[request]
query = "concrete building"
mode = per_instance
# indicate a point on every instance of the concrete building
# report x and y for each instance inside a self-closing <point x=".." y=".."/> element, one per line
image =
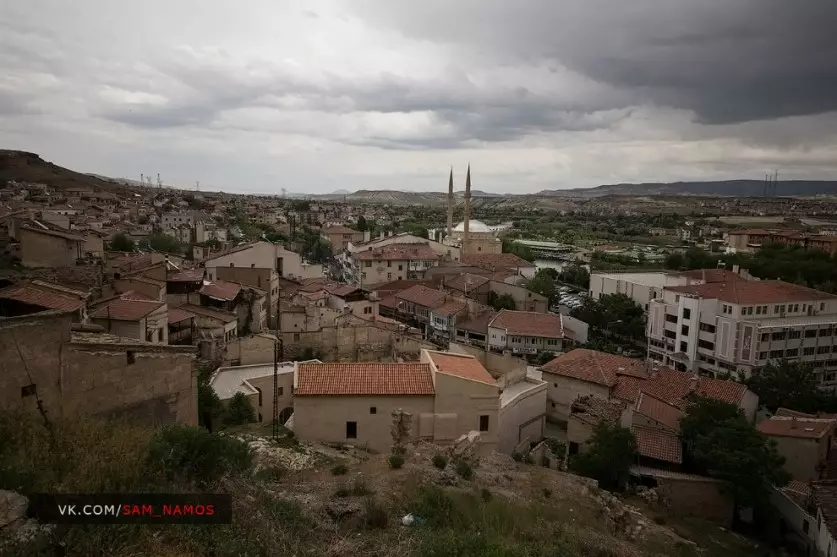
<point x="824" y="496"/>
<point x="738" y="326"/>
<point x="751" y="240"/>
<point x="448" y="395"/>
<point x="525" y="332"/>
<point x="263" y="255"/>
<point x="393" y="262"/>
<point x="71" y="372"/>
<point x="340" y="237"/>
<point x="133" y="316"/>
<point x="804" y="442"/>
<point x="264" y="279"/>
<point x="45" y="247"/>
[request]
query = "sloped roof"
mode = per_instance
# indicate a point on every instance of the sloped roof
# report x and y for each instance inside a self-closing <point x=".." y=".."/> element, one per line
<point x="658" y="444"/>
<point x="462" y="366"/>
<point x="466" y="282"/>
<point x="364" y="379"/>
<point x="659" y="410"/>
<point x="451" y="307"/>
<point x="801" y="428"/>
<point x="496" y="261"/>
<point x="224" y="316"/>
<point x="221" y="290"/>
<point x="594" y="366"/>
<point x="126" y="309"/>
<point x="753" y="292"/>
<point x="398" y="252"/>
<point x="176" y="315"/>
<point x="422" y="296"/>
<point x="529" y="323"/>
<point x="39" y="293"/>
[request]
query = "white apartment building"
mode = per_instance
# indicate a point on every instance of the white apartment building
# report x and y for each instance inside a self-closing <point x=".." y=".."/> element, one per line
<point x="738" y="326"/>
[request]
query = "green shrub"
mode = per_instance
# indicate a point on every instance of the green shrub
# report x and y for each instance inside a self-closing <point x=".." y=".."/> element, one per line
<point x="359" y="487"/>
<point x="529" y="459"/>
<point x="197" y="456"/>
<point x="396" y="461"/>
<point x="239" y="411"/>
<point x="485" y="495"/>
<point x="271" y="474"/>
<point x="517" y="457"/>
<point x="440" y="461"/>
<point x="375" y="515"/>
<point x="340" y="470"/>
<point x="464" y="470"/>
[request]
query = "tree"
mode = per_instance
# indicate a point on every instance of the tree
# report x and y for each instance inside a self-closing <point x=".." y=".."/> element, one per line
<point x="164" y="243"/>
<point x="575" y="274"/>
<point x="121" y="242"/>
<point x="675" y="261"/>
<point x="275" y="237"/>
<point x="786" y="384"/>
<point x="502" y="301"/>
<point x="239" y="411"/>
<point x="542" y="283"/>
<point x="519" y="250"/>
<point x="361" y="223"/>
<point x="721" y="442"/>
<point x="609" y="456"/>
<point x="615" y="313"/>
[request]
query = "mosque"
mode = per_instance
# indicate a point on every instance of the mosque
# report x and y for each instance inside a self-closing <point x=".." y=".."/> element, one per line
<point x="470" y="236"/>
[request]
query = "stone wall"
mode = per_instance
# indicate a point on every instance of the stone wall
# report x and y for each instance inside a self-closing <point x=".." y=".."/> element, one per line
<point x="353" y="344"/>
<point x="692" y="497"/>
<point x="505" y="368"/>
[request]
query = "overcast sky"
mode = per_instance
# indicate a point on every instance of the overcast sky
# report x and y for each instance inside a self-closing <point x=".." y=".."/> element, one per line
<point x="316" y="96"/>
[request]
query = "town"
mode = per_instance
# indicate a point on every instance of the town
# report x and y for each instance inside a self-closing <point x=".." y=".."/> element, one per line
<point x="687" y="359"/>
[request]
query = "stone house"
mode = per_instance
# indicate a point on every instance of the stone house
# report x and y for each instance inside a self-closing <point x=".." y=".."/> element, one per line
<point x="447" y="394"/>
<point x="211" y="323"/>
<point x="44" y="247"/>
<point x="263" y="255"/>
<point x="525" y="332"/>
<point x="131" y="315"/>
<point x="341" y="236"/>
<point x="804" y="442"/>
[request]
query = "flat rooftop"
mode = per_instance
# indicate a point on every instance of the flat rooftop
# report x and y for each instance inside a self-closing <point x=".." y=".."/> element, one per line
<point x="655" y="279"/>
<point x="515" y="390"/>
<point x="227" y="381"/>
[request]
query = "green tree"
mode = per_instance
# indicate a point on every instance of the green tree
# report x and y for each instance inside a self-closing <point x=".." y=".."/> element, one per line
<point x="786" y="384"/>
<point x="675" y="261"/>
<point x="542" y="283"/>
<point x="519" y="250"/>
<point x="576" y="274"/>
<point x="239" y="411"/>
<point x="361" y="223"/>
<point x="502" y="301"/>
<point x="615" y="313"/>
<point x="164" y="243"/>
<point x="275" y="237"/>
<point x="609" y="456"/>
<point x="721" y="442"/>
<point x="121" y="242"/>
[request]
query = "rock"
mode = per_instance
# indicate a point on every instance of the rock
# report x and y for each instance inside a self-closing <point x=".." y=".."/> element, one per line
<point x="339" y="510"/>
<point x="12" y="507"/>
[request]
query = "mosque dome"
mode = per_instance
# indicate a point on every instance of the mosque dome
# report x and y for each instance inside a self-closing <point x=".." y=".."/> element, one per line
<point x="473" y="226"/>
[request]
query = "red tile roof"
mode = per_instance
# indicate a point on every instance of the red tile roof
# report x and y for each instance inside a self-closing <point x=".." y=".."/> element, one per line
<point x="753" y="292"/>
<point x="364" y="379"/>
<point x="594" y="366"/>
<point x="462" y="366"/>
<point x="451" y="307"/>
<point x="423" y="296"/>
<point x="496" y="261"/>
<point x="314" y="296"/>
<point x="658" y="444"/>
<point x="224" y="316"/>
<point x="398" y="252"/>
<point x="466" y="282"/>
<point x="529" y="323"/>
<point x="126" y="309"/>
<point x="659" y="411"/>
<point x="711" y="275"/>
<point x="675" y="386"/>
<point x="42" y="295"/>
<point x="221" y="290"/>
<point x="187" y="275"/>
<point x="176" y="315"/>
<point x="803" y="428"/>
<point x="478" y="323"/>
<point x="788" y="413"/>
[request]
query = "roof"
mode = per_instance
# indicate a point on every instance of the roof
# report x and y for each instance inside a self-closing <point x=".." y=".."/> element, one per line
<point x="753" y="292"/>
<point x="423" y="296"/>
<point x="340" y="230"/>
<point x="474" y="225"/>
<point x="364" y="379"/>
<point x="396" y="285"/>
<point x="187" y="275"/>
<point x="674" y="387"/>
<point x="801" y="428"/>
<point x="788" y="413"/>
<point x="799" y="492"/>
<point x="478" y="323"/>
<point x="212" y="313"/>
<point x="176" y="315"/>
<point x="658" y="410"/>
<point x="594" y="366"/>
<point x="314" y="296"/>
<point x="658" y="444"/>
<point x="66" y="235"/>
<point x="221" y="290"/>
<point x="825" y="497"/>
<point x="529" y="323"/>
<point x="397" y="252"/>
<point x="449" y="308"/>
<point x="592" y="409"/>
<point x="462" y="366"/>
<point x="227" y="381"/>
<point x="466" y="281"/>
<point x="711" y="275"/>
<point x="496" y="261"/>
<point x="45" y="295"/>
<point x="126" y="309"/>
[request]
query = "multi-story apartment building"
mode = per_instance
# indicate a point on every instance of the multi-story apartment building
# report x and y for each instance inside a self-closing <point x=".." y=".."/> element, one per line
<point x="341" y="236"/>
<point x="738" y="326"/>
<point x="392" y="262"/>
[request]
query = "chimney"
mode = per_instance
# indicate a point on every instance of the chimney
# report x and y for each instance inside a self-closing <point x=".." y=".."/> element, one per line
<point x="450" y="203"/>
<point x="367" y="235"/>
<point x="467" y="213"/>
<point x="693" y="383"/>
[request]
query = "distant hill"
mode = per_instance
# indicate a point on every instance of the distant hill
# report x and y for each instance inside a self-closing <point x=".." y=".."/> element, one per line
<point x="29" y="167"/>
<point x="725" y="188"/>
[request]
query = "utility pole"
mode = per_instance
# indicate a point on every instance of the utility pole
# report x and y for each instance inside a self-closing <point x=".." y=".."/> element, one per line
<point x="159" y="182"/>
<point x="278" y="355"/>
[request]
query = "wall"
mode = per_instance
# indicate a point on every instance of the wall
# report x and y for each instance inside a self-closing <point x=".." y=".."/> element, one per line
<point x="802" y="456"/>
<point x="579" y="432"/>
<point x="794" y="518"/>
<point x="575" y="330"/>
<point x="505" y="368"/>
<point x="522" y="417"/>
<point x="524" y="299"/>
<point x="354" y="344"/>
<point x="143" y="287"/>
<point x="125" y="329"/>
<point x="692" y="497"/>
<point x="44" y="250"/>
<point x="323" y="418"/>
<point x="256" y="349"/>
<point x="468" y="400"/>
<point x="263" y="278"/>
<point x="265" y="384"/>
<point x="562" y="392"/>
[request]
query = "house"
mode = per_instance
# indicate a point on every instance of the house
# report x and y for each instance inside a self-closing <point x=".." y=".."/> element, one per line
<point x="798" y="525"/>
<point x="262" y="278"/>
<point x="501" y="262"/>
<point x="448" y="395"/>
<point x="41" y="246"/>
<point x="340" y="237"/>
<point x="522" y="413"/>
<point x="443" y="318"/>
<point x="131" y="315"/>
<point x="246" y="301"/>
<point x="525" y="332"/>
<point x="391" y="262"/>
<point x="474" y="328"/>
<point x="585" y="413"/>
<point x="417" y="302"/>
<point x="34" y="296"/>
<point x="263" y="255"/>
<point x="825" y="504"/>
<point x="213" y="323"/>
<point x="181" y="326"/>
<point x="804" y="442"/>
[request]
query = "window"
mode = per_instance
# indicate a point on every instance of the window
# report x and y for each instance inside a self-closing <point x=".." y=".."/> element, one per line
<point x="483" y="423"/>
<point x="401" y="267"/>
<point x="805" y="526"/>
<point x="367" y="310"/>
<point x="706" y="344"/>
<point x="758" y="310"/>
<point x="684" y="346"/>
<point x="389" y="263"/>
<point x="808" y="351"/>
<point x="684" y="330"/>
<point x="296" y="337"/>
<point x="762" y="355"/>
<point x="811" y="333"/>
<point x="363" y="276"/>
<point x="669" y="334"/>
<point x="367" y="264"/>
<point x="707" y="328"/>
<point x="232" y="264"/>
<point x="780" y="335"/>
<point x="389" y="276"/>
<point x="671" y="318"/>
<point x="281" y="391"/>
<point x="765" y="337"/>
<point x="28" y="390"/>
<point x="351" y="430"/>
<point x="131" y="357"/>
<point x="794" y="334"/>
<point x="776" y="354"/>
<point x="373" y="409"/>
<point x="687" y="313"/>
<point x="792" y="352"/>
<point x="823" y="349"/>
<point x="826" y="332"/>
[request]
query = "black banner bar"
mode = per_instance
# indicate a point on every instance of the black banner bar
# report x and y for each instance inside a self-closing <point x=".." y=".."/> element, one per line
<point x="132" y="508"/>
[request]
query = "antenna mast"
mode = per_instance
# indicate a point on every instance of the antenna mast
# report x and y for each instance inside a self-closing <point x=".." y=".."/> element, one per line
<point x="197" y="185"/>
<point x="159" y="182"/>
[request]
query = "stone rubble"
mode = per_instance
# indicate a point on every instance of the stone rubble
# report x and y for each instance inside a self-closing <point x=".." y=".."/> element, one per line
<point x="15" y="528"/>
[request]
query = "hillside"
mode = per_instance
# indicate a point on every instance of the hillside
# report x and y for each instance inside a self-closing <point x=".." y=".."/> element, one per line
<point x="292" y="498"/>
<point x="29" y="167"/>
<point x="732" y="188"/>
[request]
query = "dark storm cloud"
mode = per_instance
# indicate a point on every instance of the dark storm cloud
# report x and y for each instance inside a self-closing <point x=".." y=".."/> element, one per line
<point x="727" y="61"/>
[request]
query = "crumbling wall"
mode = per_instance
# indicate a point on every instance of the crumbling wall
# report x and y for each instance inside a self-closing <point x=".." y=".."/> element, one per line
<point x="353" y="344"/>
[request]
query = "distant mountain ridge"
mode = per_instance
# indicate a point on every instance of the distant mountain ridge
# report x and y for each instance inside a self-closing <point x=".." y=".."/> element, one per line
<point x="723" y="188"/>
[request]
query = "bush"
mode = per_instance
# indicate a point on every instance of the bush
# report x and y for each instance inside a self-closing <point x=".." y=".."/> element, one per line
<point x="375" y="515"/>
<point x="197" y="456"/>
<point x="529" y="459"/>
<point x="464" y="470"/>
<point x="440" y="461"/>
<point x="340" y="470"/>
<point x="396" y="461"/>
<point x="239" y="411"/>
<point x="485" y="495"/>
<point x="271" y="474"/>
<point x="359" y="487"/>
<point x="517" y="457"/>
